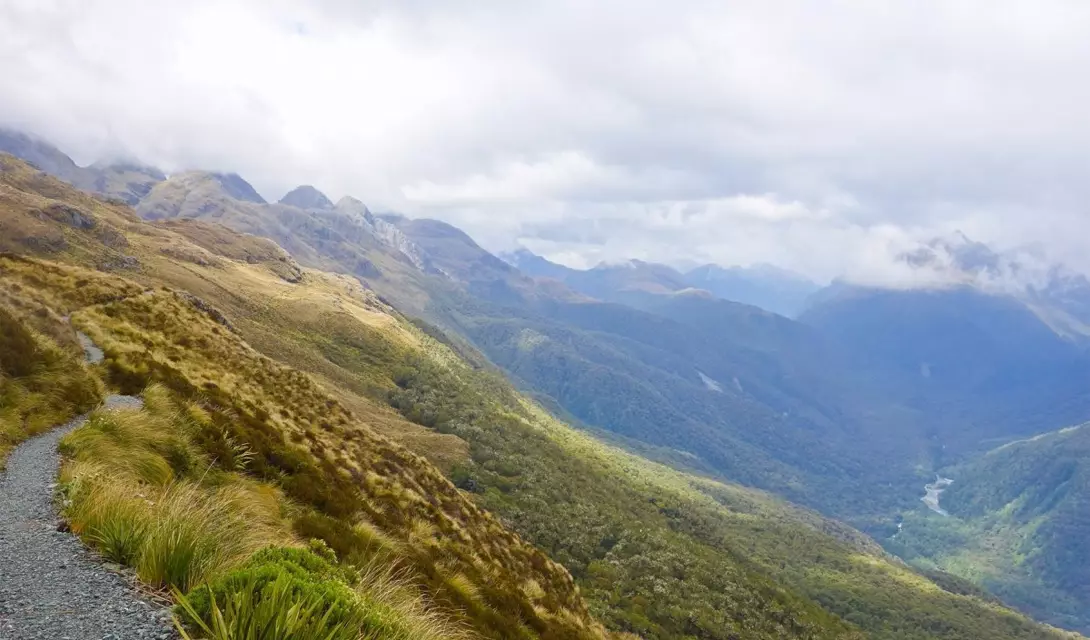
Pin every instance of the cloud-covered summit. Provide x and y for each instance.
(827, 139)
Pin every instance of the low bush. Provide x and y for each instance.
(289, 590)
(288, 593)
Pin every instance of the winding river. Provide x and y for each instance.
(934, 491)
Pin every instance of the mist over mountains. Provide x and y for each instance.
(945, 261)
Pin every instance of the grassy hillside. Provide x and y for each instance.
(42, 384)
(344, 483)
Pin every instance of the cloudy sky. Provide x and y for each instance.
(819, 136)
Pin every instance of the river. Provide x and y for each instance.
(934, 491)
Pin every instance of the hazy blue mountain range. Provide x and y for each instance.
(764, 286)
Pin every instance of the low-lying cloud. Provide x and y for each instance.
(824, 137)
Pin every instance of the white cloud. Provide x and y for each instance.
(819, 136)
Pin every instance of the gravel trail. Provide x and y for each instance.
(51, 586)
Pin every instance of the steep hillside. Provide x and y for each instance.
(337, 473)
(734, 390)
(1020, 521)
(654, 551)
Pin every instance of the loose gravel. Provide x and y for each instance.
(51, 586)
(91, 352)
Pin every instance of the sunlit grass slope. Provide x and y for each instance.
(355, 489)
(141, 490)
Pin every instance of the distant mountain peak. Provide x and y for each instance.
(534, 265)
(126, 180)
(234, 186)
(348, 203)
(763, 285)
(307, 197)
(129, 166)
(957, 252)
(631, 263)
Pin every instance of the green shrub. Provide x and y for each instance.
(284, 593)
(276, 580)
(267, 603)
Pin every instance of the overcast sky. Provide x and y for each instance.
(819, 136)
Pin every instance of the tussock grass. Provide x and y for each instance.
(139, 490)
(196, 535)
(179, 535)
(144, 495)
(41, 384)
(226, 416)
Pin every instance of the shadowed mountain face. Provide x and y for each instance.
(722, 386)
(980, 367)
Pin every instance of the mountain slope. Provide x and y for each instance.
(125, 181)
(334, 467)
(656, 551)
(980, 367)
(1019, 523)
(736, 390)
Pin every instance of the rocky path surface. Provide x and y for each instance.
(51, 586)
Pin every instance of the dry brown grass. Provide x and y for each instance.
(312, 444)
(41, 383)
